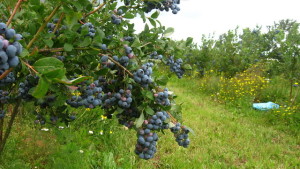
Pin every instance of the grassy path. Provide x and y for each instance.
(226, 140)
(223, 139)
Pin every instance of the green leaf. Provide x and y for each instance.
(152, 21)
(86, 42)
(119, 110)
(176, 108)
(187, 67)
(84, 30)
(146, 28)
(99, 35)
(35, 2)
(168, 120)
(24, 53)
(130, 27)
(49, 42)
(128, 15)
(80, 79)
(149, 111)
(148, 94)
(169, 31)
(102, 72)
(162, 80)
(139, 122)
(192, 131)
(41, 89)
(171, 124)
(57, 73)
(72, 82)
(48, 64)
(113, 5)
(189, 41)
(68, 47)
(155, 15)
(77, 5)
(142, 14)
(136, 42)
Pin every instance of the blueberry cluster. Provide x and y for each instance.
(2, 114)
(10, 48)
(72, 117)
(124, 60)
(127, 116)
(128, 51)
(89, 96)
(115, 19)
(106, 63)
(162, 98)
(104, 59)
(120, 12)
(51, 26)
(175, 66)
(163, 5)
(181, 134)
(124, 98)
(75, 101)
(46, 102)
(103, 47)
(156, 122)
(128, 38)
(146, 144)
(109, 37)
(10, 78)
(61, 58)
(40, 119)
(4, 96)
(108, 100)
(155, 55)
(53, 119)
(91, 29)
(143, 75)
(24, 87)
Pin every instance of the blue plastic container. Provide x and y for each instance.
(265, 106)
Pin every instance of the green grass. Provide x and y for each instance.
(225, 137)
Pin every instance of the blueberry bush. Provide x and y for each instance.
(64, 55)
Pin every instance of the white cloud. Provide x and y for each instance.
(199, 17)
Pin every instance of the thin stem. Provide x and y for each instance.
(42, 27)
(59, 50)
(172, 118)
(6, 73)
(10, 123)
(82, 23)
(30, 67)
(97, 9)
(51, 50)
(122, 67)
(109, 57)
(14, 12)
(146, 44)
(58, 23)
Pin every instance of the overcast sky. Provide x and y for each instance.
(199, 17)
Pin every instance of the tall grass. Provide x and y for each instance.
(224, 138)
